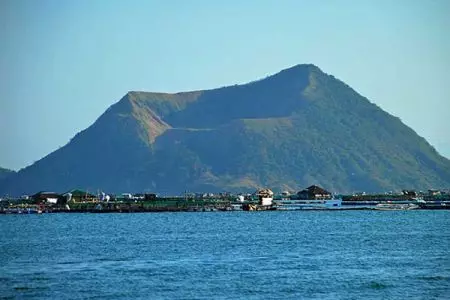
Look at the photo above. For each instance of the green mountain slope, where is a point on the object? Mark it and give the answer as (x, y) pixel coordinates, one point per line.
(5, 173)
(295, 128)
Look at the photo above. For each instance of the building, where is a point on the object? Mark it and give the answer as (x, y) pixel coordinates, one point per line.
(79, 196)
(265, 197)
(46, 197)
(314, 192)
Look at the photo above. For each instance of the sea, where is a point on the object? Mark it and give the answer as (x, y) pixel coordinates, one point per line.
(227, 255)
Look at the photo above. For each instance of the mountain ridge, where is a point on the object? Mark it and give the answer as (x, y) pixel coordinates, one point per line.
(4, 173)
(297, 127)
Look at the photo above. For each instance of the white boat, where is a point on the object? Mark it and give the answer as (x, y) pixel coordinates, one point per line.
(396, 206)
(236, 206)
(26, 210)
(298, 204)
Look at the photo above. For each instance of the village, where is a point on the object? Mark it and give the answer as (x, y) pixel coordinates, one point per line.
(311, 198)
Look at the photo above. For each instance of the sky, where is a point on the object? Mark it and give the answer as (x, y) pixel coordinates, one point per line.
(63, 63)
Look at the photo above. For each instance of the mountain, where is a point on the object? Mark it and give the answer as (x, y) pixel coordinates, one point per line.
(5, 173)
(287, 131)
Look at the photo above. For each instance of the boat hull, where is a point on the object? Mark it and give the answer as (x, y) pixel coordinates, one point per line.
(297, 204)
(389, 206)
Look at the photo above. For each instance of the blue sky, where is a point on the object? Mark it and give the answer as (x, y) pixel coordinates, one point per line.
(62, 63)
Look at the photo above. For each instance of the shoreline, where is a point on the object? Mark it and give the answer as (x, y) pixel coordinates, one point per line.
(30, 211)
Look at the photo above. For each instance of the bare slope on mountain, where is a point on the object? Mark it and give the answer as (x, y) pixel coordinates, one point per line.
(295, 128)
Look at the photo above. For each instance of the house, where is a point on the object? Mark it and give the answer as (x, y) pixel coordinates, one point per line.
(150, 197)
(409, 193)
(265, 197)
(46, 197)
(79, 196)
(314, 192)
(434, 192)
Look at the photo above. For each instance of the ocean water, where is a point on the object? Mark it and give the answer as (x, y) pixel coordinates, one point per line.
(227, 255)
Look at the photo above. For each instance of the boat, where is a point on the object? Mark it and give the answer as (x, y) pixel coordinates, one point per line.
(236, 206)
(396, 206)
(304, 204)
(434, 205)
(23, 210)
(313, 197)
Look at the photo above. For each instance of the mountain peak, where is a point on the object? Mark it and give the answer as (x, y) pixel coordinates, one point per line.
(303, 68)
(298, 76)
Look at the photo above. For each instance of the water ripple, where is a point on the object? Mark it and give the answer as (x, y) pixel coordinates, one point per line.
(283, 255)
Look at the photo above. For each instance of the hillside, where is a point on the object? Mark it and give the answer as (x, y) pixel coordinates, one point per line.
(5, 173)
(287, 131)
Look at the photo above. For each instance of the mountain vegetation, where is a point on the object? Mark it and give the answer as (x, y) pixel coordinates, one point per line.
(296, 128)
(5, 173)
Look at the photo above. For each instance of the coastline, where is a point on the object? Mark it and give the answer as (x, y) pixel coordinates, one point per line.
(143, 207)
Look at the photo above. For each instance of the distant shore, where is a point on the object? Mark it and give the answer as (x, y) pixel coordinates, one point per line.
(311, 198)
(203, 206)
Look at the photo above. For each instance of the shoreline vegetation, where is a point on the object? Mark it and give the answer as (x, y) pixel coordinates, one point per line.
(311, 198)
